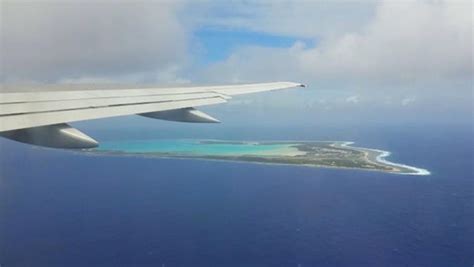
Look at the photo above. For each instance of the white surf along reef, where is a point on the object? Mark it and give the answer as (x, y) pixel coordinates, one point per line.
(380, 158)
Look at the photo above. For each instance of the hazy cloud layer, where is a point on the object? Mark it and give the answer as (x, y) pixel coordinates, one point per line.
(308, 19)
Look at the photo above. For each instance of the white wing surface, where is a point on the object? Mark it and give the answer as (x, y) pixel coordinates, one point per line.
(40, 117)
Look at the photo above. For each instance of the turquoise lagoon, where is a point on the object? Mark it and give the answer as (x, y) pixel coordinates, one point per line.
(197, 147)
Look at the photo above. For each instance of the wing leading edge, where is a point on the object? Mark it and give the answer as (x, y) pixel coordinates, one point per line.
(25, 116)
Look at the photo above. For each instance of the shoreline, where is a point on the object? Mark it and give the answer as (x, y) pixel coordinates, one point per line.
(380, 158)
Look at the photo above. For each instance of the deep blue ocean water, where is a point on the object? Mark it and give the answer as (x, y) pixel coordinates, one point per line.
(63, 208)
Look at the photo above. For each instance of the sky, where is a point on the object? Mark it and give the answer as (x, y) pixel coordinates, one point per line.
(363, 61)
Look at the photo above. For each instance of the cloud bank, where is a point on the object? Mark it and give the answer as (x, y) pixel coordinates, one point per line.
(51, 41)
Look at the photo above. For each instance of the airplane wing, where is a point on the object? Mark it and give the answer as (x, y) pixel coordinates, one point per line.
(41, 118)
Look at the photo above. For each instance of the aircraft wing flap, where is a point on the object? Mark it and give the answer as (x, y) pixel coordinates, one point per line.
(28, 120)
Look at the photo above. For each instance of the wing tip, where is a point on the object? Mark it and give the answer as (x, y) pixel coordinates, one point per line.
(296, 84)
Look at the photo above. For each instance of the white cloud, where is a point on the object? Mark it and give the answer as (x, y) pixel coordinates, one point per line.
(89, 39)
(408, 100)
(405, 42)
(253, 63)
(353, 99)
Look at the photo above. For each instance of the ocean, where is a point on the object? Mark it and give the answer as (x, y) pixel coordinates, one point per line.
(67, 208)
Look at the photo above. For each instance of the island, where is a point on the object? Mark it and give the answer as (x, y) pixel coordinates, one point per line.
(328, 154)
